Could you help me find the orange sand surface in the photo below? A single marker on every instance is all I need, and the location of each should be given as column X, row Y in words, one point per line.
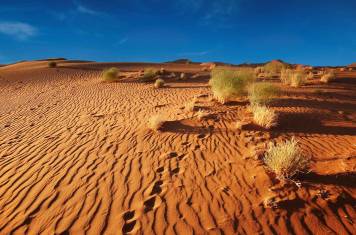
column 76, row 156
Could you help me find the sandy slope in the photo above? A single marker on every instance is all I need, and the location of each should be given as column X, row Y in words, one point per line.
column 76, row 157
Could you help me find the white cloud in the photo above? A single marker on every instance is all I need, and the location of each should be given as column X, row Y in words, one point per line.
column 85, row 10
column 18, row 30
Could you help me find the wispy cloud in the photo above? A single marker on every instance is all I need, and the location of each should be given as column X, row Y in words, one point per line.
column 123, row 40
column 194, row 53
column 85, row 10
column 18, row 30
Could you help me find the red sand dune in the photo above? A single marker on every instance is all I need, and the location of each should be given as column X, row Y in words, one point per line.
column 76, row 156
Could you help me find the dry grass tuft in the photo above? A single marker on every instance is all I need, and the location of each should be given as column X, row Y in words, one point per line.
column 286, row 159
column 328, row 77
column 264, row 116
column 155, row 122
column 298, row 78
column 262, row 92
column 229, row 84
column 110, row 74
column 159, row 83
column 189, row 107
column 149, row 75
column 201, row 114
column 274, row 67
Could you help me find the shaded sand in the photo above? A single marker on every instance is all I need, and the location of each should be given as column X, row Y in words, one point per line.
column 76, row 156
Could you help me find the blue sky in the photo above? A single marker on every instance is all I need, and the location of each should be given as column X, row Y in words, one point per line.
column 316, row 32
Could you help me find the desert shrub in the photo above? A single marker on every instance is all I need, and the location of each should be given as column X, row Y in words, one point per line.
column 155, row 122
column 274, row 67
column 52, row 64
column 286, row 159
column 149, row 75
column 262, row 92
column 310, row 75
column 286, row 76
column 110, row 74
column 228, row 84
column 201, row 114
column 159, row 83
column 258, row 70
column 297, row 78
column 328, row 77
column 342, row 69
column 264, row 116
column 190, row 105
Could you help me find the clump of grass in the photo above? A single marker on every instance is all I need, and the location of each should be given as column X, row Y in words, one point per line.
column 110, row 74
column 155, row 122
column 297, row 78
column 264, row 116
column 286, row 76
column 310, row 76
column 262, row 92
column 149, row 75
column 182, row 76
column 286, row 159
column 328, row 77
column 201, row 114
column 159, row 83
column 229, row 84
column 258, row 70
column 52, row 64
column 274, row 67
column 190, row 105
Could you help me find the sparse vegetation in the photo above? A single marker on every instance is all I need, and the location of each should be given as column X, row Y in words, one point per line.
column 201, row 114
column 328, row 77
column 183, row 76
column 110, row 74
column 286, row 76
column 298, row 78
column 52, row 64
column 190, row 105
column 149, row 75
column 262, row 92
column 159, row 83
column 310, row 76
column 229, row 84
column 274, row 67
column 263, row 116
column 155, row 122
column 286, row 159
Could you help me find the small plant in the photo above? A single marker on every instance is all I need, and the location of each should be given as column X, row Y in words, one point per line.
column 328, row 77
column 189, row 107
column 264, row 116
column 297, row 79
column 262, row 92
column 201, row 115
column 229, row 84
column 110, row 74
column 155, row 122
column 258, row 70
column 183, row 76
column 159, row 83
column 286, row 159
column 149, row 75
column 274, row 67
column 286, row 76
column 52, row 64
column 310, row 76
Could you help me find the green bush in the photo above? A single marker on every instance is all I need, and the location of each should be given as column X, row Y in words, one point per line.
column 110, row 74
column 262, row 92
column 227, row 84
